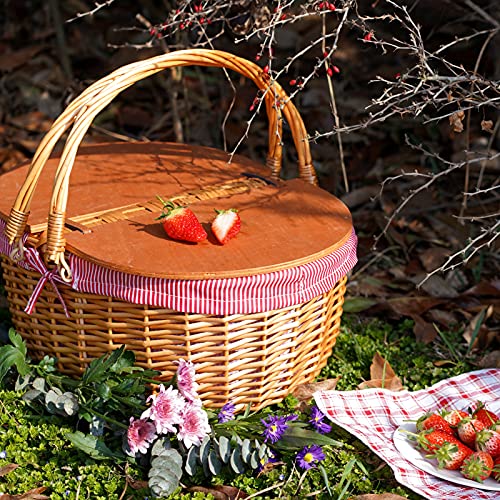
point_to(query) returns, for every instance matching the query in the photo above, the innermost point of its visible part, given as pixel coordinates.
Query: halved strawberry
(180, 223)
(226, 225)
(468, 428)
(477, 466)
(488, 440)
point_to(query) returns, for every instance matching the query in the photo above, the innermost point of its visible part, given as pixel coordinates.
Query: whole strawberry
(451, 455)
(488, 440)
(180, 223)
(453, 417)
(496, 469)
(432, 440)
(226, 225)
(477, 466)
(487, 417)
(433, 421)
(468, 428)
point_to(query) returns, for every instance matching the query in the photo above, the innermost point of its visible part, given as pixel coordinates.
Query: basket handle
(81, 112)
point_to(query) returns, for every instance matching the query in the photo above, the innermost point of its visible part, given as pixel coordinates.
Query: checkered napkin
(373, 415)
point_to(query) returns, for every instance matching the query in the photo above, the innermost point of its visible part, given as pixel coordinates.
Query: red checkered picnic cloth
(373, 415)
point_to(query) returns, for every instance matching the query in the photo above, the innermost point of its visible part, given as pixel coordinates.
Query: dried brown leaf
(487, 125)
(12, 60)
(490, 360)
(34, 494)
(6, 469)
(478, 322)
(220, 492)
(424, 331)
(413, 306)
(382, 376)
(304, 392)
(434, 257)
(456, 121)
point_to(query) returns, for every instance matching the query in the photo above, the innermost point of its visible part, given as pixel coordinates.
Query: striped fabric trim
(243, 295)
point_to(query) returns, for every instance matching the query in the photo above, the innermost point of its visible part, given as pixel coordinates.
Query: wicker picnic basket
(257, 316)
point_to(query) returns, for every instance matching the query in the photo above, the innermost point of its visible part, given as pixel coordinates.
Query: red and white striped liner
(243, 295)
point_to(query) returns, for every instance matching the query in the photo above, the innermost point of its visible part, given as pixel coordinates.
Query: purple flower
(165, 410)
(139, 435)
(291, 418)
(226, 413)
(3, 454)
(265, 461)
(186, 380)
(309, 456)
(317, 421)
(194, 425)
(274, 428)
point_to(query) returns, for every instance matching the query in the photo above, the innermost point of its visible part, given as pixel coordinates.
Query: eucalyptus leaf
(236, 463)
(214, 463)
(254, 459)
(39, 384)
(224, 449)
(191, 464)
(159, 446)
(32, 395)
(70, 403)
(246, 450)
(165, 473)
(204, 450)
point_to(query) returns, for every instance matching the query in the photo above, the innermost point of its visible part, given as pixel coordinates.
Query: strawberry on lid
(180, 223)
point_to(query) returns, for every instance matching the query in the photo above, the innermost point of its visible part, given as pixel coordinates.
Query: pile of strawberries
(464, 441)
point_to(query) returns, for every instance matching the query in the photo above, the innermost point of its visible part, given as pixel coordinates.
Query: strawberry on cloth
(373, 415)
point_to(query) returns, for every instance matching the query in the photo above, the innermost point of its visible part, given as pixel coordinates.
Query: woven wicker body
(104, 234)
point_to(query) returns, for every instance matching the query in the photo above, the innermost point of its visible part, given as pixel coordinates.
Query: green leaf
(93, 446)
(357, 304)
(295, 438)
(14, 355)
(324, 475)
(99, 369)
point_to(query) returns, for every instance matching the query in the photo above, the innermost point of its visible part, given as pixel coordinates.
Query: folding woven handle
(81, 112)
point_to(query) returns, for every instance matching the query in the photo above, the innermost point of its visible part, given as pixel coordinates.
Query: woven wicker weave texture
(255, 358)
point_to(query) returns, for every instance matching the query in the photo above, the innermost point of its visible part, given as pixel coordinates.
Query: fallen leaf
(490, 360)
(413, 306)
(476, 331)
(456, 121)
(487, 125)
(424, 331)
(443, 318)
(382, 376)
(357, 304)
(6, 469)
(434, 257)
(220, 492)
(34, 494)
(12, 60)
(304, 392)
(436, 286)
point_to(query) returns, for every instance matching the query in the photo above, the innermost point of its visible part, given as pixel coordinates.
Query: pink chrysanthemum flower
(140, 434)
(194, 426)
(165, 409)
(185, 380)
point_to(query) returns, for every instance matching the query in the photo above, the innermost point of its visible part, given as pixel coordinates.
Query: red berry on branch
(329, 71)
